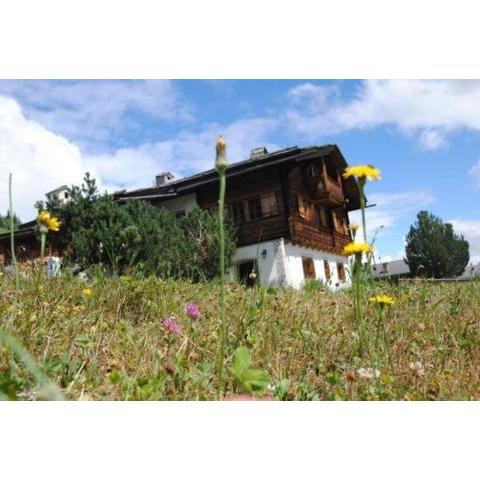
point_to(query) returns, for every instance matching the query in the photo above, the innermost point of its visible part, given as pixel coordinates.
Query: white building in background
(60, 194)
(393, 269)
(471, 271)
(290, 209)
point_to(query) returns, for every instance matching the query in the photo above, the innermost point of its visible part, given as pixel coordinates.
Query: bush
(136, 235)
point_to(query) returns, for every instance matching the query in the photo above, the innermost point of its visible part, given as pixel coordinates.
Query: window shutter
(269, 204)
(326, 266)
(308, 268)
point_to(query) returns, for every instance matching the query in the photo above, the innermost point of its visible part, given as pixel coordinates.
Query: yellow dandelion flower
(362, 171)
(48, 222)
(54, 224)
(10, 308)
(44, 218)
(383, 299)
(87, 292)
(357, 248)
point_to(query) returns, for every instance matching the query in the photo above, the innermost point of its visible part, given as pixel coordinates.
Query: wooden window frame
(263, 202)
(308, 268)
(237, 212)
(341, 272)
(254, 208)
(326, 267)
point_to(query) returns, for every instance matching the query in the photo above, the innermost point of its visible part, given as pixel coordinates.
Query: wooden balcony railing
(328, 190)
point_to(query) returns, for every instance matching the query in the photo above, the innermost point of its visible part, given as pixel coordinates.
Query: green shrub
(96, 230)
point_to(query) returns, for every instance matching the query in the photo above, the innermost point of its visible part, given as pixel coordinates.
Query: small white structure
(59, 194)
(53, 267)
(393, 269)
(471, 271)
(279, 263)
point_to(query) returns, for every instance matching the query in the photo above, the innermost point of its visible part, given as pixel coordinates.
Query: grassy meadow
(107, 340)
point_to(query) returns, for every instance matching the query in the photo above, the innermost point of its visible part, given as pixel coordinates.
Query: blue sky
(423, 135)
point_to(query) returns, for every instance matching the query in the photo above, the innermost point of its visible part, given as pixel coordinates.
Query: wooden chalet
(290, 208)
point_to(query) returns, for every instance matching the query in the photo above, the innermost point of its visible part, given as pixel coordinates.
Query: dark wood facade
(27, 246)
(297, 193)
(307, 204)
(244, 194)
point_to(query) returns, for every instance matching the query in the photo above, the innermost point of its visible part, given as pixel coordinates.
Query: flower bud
(221, 159)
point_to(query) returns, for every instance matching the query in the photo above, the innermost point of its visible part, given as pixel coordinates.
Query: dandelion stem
(221, 168)
(43, 238)
(12, 235)
(51, 389)
(362, 206)
(221, 354)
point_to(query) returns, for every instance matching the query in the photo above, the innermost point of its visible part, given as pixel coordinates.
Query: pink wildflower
(171, 325)
(192, 311)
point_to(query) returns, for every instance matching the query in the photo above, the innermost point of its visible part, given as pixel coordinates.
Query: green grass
(112, 345)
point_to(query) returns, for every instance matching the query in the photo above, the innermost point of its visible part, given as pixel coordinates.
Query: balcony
(328, 191)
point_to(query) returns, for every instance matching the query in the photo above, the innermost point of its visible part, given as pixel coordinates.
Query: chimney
(257, 153)
(163, 178)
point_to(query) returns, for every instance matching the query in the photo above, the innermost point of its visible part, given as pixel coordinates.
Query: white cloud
(471, 231)
(433, 139)
(474, 172)
(185, 154)
(38, 159)
(427, 108)
(389, 210)
(41, 160)
(92, 111)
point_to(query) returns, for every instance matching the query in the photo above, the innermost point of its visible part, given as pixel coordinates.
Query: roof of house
(287, 155)
(24, 230)
(390, 269)
(58, 189)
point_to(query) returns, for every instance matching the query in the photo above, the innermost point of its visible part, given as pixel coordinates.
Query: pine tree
(434, 250)
(5, 222)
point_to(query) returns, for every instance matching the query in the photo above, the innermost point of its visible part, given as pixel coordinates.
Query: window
(332, 171)
(323, 217)
(340, 223)
(301, 207)
(66, 195)
(254, 209)
(308, 268)
(341, 272)
(237, 212)
(307, 210)
(326, 266)
(269, 204)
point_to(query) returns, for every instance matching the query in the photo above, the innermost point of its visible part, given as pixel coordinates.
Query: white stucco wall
(57, 194)
(269, 268)
(283, 265)
(295, 275)
(177, 204)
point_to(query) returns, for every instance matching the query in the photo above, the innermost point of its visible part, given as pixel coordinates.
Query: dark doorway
(247, 273)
